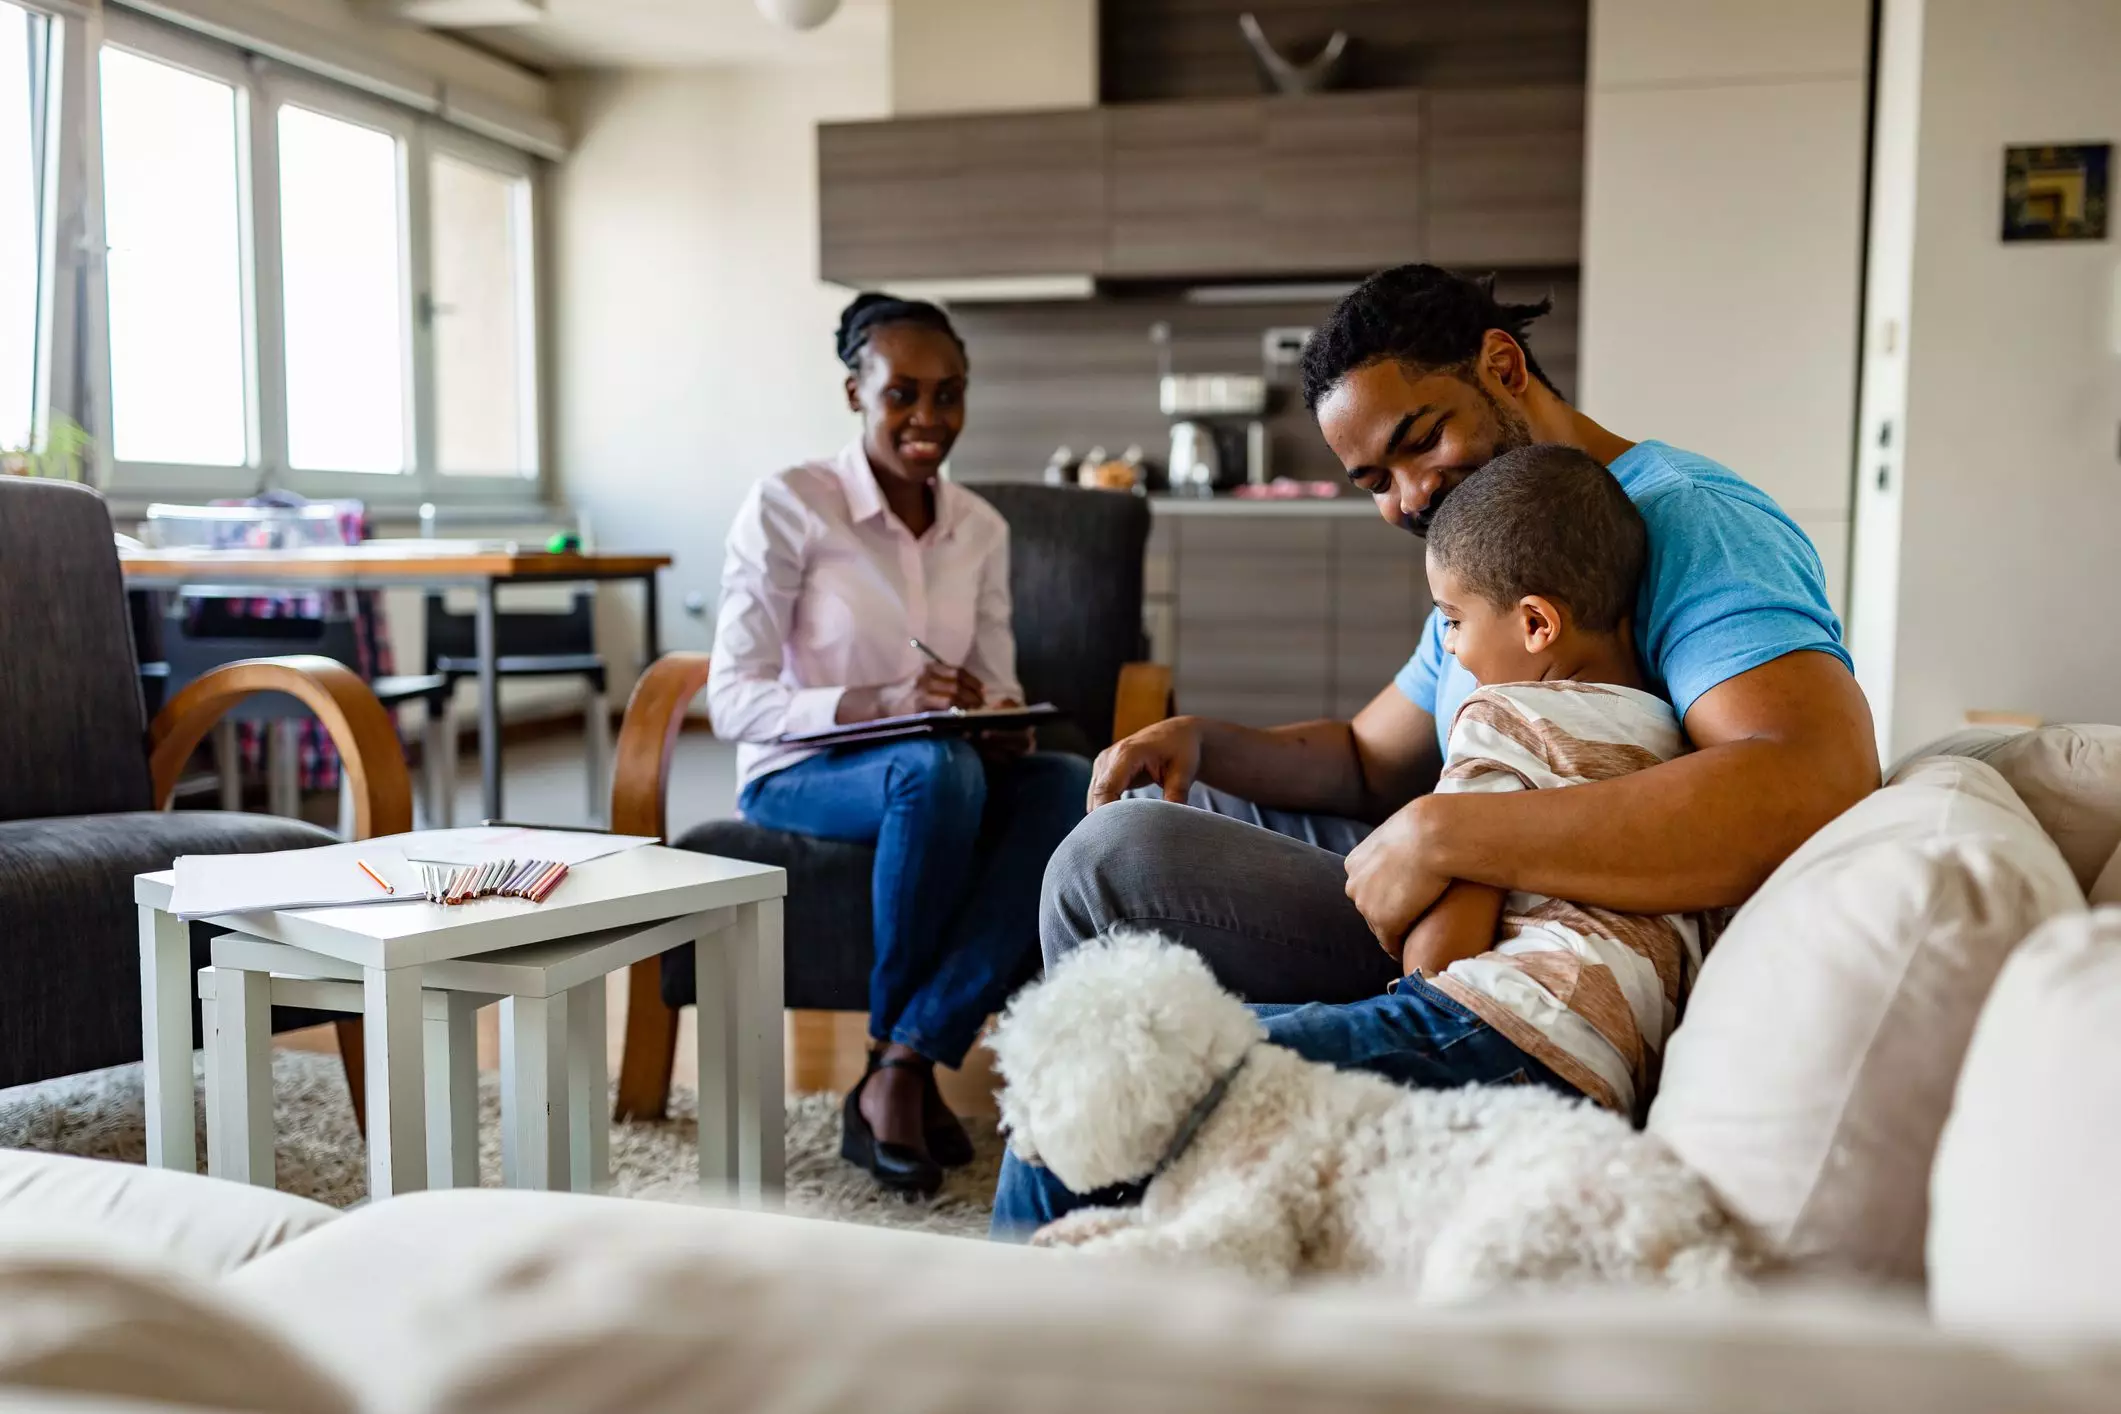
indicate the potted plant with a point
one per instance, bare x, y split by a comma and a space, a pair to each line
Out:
65, 444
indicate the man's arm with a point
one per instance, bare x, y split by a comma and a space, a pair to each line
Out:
1780, 751
1364, 769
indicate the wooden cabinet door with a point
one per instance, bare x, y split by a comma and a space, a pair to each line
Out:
1380, 606
1185, 187
1254, 617
1343, 183
951, 197
1504, 176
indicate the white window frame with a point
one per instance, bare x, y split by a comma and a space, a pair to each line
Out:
181, 479
276, 89
45, 387
444, 140
265, 86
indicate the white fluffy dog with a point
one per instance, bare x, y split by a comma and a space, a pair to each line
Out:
1129, 1062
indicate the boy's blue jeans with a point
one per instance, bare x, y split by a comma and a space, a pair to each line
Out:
961, 844
1413, 1034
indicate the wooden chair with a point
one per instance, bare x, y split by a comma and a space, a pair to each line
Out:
86, 783
1076, 583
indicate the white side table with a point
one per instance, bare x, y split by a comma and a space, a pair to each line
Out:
239, 1118
606, 914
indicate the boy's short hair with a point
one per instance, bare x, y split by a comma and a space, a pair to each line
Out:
1545, 520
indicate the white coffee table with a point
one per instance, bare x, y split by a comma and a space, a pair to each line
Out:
732, 908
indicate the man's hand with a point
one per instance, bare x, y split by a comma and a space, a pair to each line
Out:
1389, 881
1167, 753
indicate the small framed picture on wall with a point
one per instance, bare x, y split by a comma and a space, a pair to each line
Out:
2056, 191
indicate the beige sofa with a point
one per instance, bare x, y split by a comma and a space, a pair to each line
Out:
1902, 1061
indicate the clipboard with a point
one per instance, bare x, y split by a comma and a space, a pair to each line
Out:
953, 721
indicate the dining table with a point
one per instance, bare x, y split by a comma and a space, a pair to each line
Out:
411, 564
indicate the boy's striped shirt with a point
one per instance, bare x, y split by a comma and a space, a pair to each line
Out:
1591, 993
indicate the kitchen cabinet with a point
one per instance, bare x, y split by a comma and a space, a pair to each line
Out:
1186, 188
1343, 183
1254, 601
1269, 615
1326, 185
1503, 180
940, 198
1380, 605
1273, 186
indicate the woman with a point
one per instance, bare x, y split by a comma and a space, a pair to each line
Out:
834, 567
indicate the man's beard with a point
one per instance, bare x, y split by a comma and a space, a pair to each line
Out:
1511, 432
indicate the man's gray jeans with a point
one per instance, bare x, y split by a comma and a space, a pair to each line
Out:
1261, 894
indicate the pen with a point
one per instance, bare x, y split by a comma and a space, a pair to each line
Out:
933, 656
528, 825
386, 888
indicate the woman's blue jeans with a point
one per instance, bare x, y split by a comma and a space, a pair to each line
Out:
961, 846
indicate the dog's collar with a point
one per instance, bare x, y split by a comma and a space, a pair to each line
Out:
1200, 1114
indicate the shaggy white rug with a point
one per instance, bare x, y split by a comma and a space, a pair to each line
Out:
320, 1154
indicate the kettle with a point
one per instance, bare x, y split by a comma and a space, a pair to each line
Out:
1195, 463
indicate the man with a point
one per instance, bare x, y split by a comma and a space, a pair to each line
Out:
1418, 379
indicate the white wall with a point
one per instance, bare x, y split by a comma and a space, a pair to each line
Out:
2008, 572
971, 56
1723, 221
692, 337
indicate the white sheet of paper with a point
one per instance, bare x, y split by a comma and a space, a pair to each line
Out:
208, 885
476, 844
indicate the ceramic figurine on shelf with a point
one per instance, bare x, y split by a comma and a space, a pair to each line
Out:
1314, 75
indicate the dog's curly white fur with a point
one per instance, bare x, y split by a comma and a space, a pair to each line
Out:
1302, 1168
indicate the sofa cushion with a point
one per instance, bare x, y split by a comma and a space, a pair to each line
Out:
2024, 1231
502, 1301
2106, 889
2068, 776
70, 951
90, 1324
202, 1225
1814, 1068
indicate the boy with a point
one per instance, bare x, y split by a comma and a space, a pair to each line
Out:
1534, 566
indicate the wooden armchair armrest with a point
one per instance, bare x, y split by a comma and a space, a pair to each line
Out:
640, 778
358, 725
1143, 700
655, 714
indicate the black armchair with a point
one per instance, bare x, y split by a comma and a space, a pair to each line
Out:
1076, 586
85, 784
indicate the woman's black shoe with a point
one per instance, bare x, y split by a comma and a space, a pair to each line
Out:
895, 1166
948, 1143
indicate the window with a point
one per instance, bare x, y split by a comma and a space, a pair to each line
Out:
308, 287
343, 294
485, 356
24, 67
172, 217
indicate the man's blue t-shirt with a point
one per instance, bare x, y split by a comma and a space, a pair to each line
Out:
1731, 583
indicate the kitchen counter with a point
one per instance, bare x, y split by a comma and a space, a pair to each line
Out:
1345, 505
